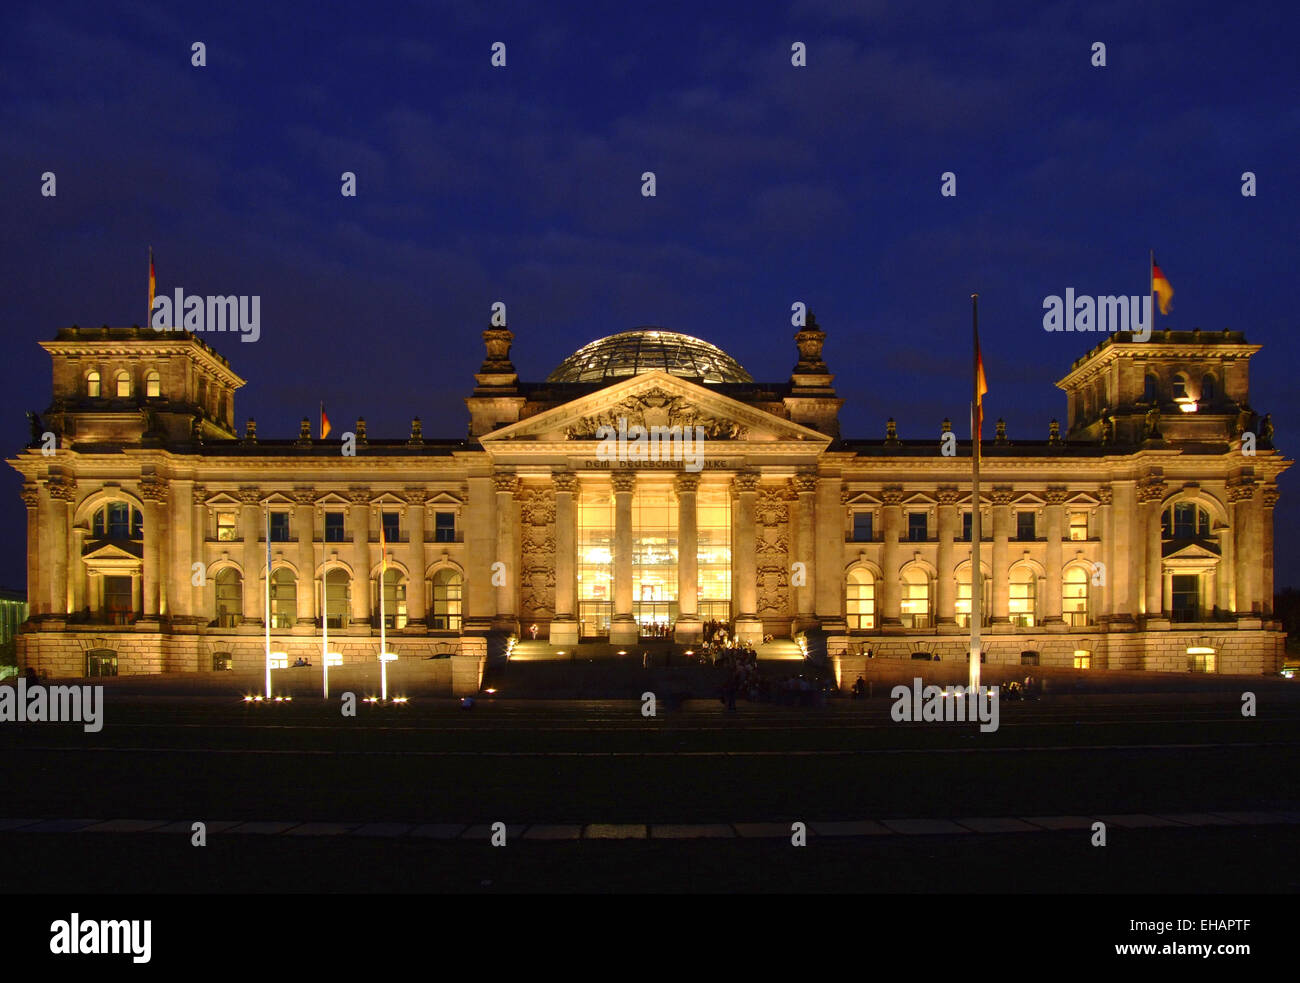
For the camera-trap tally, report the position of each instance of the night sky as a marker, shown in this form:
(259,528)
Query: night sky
(522,184)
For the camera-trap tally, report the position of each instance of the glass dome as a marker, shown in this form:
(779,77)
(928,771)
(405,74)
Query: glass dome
(645,350)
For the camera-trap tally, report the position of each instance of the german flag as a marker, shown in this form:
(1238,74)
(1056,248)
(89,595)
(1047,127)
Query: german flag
(324,423)
(153,283)
(981,388)
(1161,287)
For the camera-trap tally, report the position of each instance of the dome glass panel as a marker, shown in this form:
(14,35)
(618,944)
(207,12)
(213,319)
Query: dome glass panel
(647,350)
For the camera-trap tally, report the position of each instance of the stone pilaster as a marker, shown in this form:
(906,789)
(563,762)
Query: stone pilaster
(689,628)
(804,486)
(891,521)
(1054,518)
(304,522)
(1150,496)
(252,528)
(828,565)
(1268,501)
(416,587)
(1001,497)
(180,538)
(947,567)
(744,561)
(564,626)
(153,493)
(359,519)
(506,486)
(1241,495)
(37,598)
(623,628)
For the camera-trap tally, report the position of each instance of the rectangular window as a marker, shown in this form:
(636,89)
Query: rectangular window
(1029,658)
(227,527)
(117,600)
(334,527)
(1200,660)
(595,559)
(1078,526)
(1025,526)
(444,527)
(1186,597)
(916,527)
(1082,660)
(966,526)
(862,527)
(279,527)
(713,556)
(392,527)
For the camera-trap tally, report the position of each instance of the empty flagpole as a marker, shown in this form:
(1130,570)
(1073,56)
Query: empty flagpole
(976,583)
(383,620)
(325,627)
(268,602)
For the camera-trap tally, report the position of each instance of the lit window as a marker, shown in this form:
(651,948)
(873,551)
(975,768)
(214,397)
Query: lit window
(92,384)
(153,385)
(1029,658)
(230,598)
(394,599)
(1074,597)
(860,599)
(284,599)
(227,526)
(447,588)
(1024,592)
(1078,526)
(1200,659)
(1082,659)
(915,603)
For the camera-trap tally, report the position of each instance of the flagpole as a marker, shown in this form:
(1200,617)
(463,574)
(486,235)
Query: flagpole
(1151,284)
(383,620)
(976,584)
(325,627)
(268,602)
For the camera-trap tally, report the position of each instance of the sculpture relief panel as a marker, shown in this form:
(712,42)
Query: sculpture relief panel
(772,546)
(536,554)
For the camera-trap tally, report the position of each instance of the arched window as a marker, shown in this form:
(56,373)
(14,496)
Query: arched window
(394,599)
(1180,386)
(92,384)
(1074,597)
(1024,596)
(915,598)
(284,599)
(1185,520)
(152,384)
(230,598)
(1208,394)
(123,385)
(447,590)
(117,520)
(963,597)
(338,598)
(1150,389)
(860,599)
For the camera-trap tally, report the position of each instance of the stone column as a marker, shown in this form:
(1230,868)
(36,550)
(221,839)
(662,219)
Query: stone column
(304,526)
(891,521)
(1101,598)
(1001,497)
(59,491)
(136,593)
(1241,494)
(1126,553)
(480,553)
(1268,501)
(416,588)
(180,596)
(77,569)
(1054,518)
(805,488)
(37,595)
(153,493)
(506,487)
(251,528)
(564,626)
(745,559)
(359,518)
(947,587)
(689,627)
(1167,591)
(1151,494)
(828,566)
(623,628)
(202,599)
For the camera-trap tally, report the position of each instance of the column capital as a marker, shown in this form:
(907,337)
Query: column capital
(508,483)
(947,494)
(415,496)
(1001,494)
(31,495)
(1105,494)
(249,495)
(62,488)
(304,496)
(1150,490)
(745,482)
(1270,496)
(1055,494)
(804,483)
(358,496)
(153,489)
(892,495)
(1241,490)
(623,481)
(686,483)
(566,482)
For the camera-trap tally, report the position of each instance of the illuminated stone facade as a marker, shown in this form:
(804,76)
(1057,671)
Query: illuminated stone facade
(1140,532)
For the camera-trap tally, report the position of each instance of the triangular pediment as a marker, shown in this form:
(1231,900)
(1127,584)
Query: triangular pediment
(656,399)
(1189,551)
(110,553)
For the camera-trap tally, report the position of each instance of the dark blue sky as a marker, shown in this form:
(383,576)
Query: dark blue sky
(522,184)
